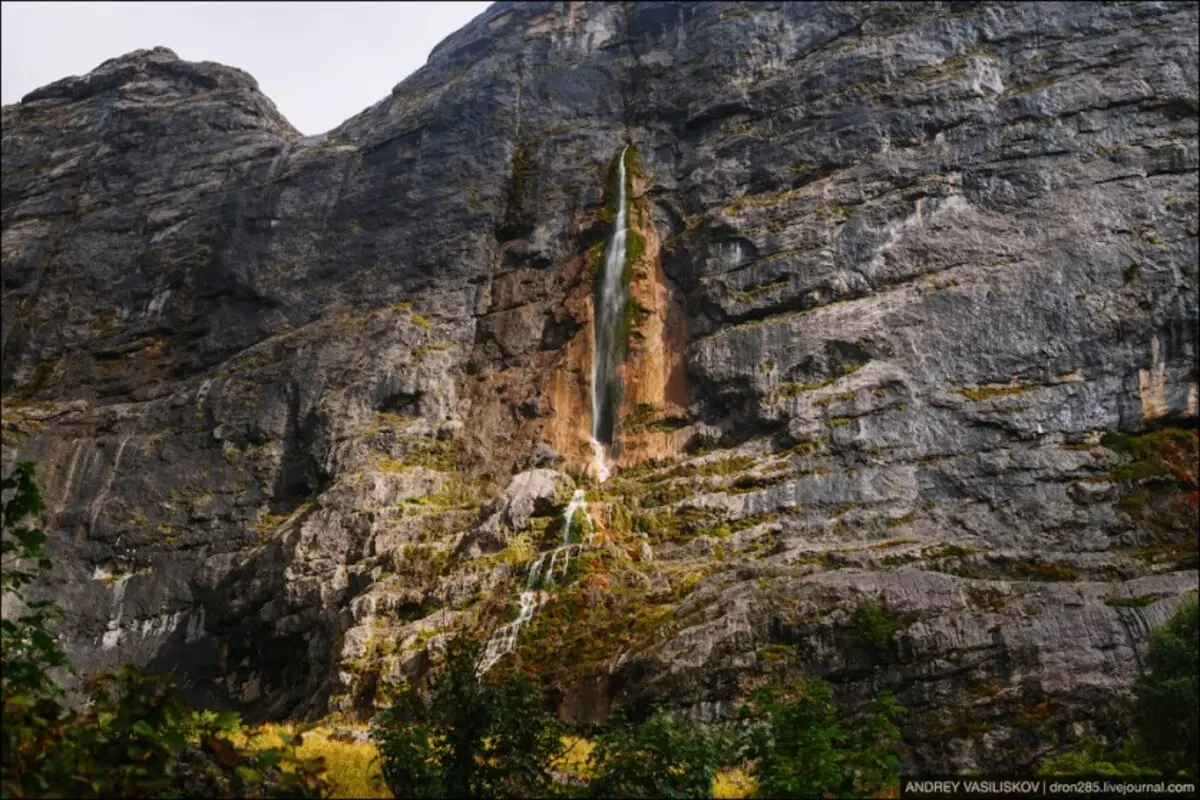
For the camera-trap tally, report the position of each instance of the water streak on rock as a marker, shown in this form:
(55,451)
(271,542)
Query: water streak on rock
(609,312)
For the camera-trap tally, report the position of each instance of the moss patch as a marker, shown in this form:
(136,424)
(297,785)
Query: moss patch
(991,390)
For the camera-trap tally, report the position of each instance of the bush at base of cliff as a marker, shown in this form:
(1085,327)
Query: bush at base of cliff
(467,735)
(136,738)
(799,747)
(1166,697)
(664,756)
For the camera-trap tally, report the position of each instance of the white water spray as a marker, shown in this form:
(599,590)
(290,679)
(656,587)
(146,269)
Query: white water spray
(534,596)
(609,311)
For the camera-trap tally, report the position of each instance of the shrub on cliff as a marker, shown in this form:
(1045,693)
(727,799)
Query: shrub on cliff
(135,738)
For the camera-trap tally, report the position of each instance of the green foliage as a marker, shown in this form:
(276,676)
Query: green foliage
(1091,761)
(871,628)
(467,735)
(994,390)
(29,648)
(800,748)
(666,756)
(1165,709)
(136,738)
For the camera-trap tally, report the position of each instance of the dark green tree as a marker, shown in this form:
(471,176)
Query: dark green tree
(1165,696)
(667,755)
(466,735)
(799,747)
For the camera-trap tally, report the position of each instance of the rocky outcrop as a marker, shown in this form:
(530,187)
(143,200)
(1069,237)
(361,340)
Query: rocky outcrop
(903,267)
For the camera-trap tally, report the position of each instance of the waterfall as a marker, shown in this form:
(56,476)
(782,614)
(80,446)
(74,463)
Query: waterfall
(607,317)
(504,638)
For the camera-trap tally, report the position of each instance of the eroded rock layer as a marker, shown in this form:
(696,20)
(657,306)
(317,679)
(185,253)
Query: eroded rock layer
(913,331)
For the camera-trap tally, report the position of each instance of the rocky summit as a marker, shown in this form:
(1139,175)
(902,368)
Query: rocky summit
(908,326)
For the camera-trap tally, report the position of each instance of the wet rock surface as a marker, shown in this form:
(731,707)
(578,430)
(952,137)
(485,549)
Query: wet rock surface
(928,254)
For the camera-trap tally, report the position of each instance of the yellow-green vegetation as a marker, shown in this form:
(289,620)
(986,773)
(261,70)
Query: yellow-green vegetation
(950,551)
(1030,569)
(419,563)
(991,390)
(429,452)
(732,784)
(352,768)
(761,200)
(585,625)
(420,351)
(791,389)
(520,550)
(391,419)
(775,652)
(267,522)
(805,447)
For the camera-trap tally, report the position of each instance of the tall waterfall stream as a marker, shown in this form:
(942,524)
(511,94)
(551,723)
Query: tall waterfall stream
(607,316)
(606,399)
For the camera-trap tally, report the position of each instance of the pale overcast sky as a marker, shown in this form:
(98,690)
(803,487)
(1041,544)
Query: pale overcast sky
(321,63)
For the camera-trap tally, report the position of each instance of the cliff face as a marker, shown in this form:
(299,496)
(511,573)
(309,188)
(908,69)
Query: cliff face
(901,267)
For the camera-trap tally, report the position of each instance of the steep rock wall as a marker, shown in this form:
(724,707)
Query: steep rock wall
(911,262)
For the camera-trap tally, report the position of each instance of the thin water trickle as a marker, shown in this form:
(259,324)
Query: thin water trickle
(504,638)
(609,311)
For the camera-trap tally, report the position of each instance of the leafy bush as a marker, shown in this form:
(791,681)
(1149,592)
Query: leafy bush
(1093,760)
(871,629)
(665,756)
(800,749)
(467,735)
(135,738)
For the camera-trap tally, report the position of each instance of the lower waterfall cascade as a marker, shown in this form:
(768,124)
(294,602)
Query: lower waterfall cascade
(538,582)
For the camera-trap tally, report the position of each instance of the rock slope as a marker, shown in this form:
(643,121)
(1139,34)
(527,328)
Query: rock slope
(916,298)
